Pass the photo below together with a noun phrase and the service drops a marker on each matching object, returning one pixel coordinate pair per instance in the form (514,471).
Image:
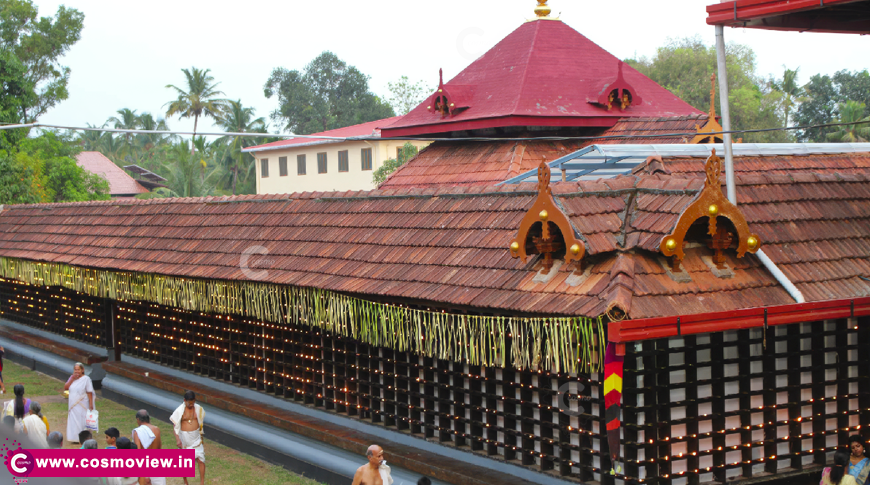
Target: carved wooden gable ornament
(713,204)
(545,229)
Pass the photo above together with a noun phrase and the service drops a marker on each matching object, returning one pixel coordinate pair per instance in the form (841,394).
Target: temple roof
(456,163)
(544,73)
(449,246)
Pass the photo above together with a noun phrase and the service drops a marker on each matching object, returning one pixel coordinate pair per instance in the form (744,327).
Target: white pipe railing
(730,185)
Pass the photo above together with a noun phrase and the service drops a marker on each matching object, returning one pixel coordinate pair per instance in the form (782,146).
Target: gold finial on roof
(542,10)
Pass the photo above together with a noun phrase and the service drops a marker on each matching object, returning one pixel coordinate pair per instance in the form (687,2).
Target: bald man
(376,471)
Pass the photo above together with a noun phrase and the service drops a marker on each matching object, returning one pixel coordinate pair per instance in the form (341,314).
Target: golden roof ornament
(542,12)
(546,229)
(712,204)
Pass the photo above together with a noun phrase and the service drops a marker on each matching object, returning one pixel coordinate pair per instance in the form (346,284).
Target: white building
(306,164)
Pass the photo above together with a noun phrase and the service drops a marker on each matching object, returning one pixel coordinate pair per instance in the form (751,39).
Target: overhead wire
(404,138)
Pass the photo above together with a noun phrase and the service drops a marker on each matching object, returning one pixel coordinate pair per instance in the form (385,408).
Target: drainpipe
(729,161)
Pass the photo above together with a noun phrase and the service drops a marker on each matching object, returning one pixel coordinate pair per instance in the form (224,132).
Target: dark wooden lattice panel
(54,309)
(748,403)
(504,412)
(514,414)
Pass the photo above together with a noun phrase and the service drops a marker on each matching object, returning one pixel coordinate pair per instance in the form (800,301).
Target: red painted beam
(799,15)
(663,327)
(555,121)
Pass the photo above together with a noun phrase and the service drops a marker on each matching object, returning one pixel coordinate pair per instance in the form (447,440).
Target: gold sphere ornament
(752,242)
(544,215)
(713,210)
(542,10)
(575,249)
(671,244)
(515,246)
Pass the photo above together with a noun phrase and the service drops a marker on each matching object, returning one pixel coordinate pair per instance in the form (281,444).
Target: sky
(130,51)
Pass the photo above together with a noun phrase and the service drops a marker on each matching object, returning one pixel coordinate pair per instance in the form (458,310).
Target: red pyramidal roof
(543,74)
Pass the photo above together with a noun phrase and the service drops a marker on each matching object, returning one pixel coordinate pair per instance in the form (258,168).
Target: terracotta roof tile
(120,183)
(451,248)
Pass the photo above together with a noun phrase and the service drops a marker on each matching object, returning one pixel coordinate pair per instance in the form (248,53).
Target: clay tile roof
(120,183)
(542,74)
(450,246)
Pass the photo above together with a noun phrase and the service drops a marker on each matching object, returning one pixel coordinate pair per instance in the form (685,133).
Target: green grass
(35,384)
(223,465)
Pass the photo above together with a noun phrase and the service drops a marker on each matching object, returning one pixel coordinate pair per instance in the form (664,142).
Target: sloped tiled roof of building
(370,129)
(651,131)
(449,245)
(120,183)
(455,163)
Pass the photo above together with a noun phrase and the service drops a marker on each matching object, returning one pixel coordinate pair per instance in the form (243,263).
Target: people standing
(147,437)
(187,422)
(859,464)
(376,471)
(34,426)
(112,435)
(81,400)
(55,440)
(837,474)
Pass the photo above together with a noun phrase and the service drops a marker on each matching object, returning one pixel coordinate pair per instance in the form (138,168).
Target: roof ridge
(527,57)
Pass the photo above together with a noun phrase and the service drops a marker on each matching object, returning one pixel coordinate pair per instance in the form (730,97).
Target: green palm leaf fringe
(557,344)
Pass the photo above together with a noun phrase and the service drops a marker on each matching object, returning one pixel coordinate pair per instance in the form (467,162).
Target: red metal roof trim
(675,326)
(838,16)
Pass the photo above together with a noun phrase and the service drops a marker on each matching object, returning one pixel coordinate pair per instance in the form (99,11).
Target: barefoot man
(187,421)
(376,471)
(147,437)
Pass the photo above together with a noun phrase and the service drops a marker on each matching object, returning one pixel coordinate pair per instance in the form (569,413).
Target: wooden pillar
(114,346)
(717,403)
(864,378)
(769,397)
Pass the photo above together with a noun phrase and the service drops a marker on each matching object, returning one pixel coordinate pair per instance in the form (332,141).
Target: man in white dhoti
(376,471)
(187,422)
(147,437)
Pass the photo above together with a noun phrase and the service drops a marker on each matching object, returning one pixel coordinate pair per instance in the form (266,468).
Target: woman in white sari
(81,400)
(34,426)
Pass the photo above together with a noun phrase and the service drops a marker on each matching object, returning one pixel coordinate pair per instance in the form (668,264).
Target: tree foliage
(327,94)
(199,99)
(239,119)
(389,166)
(405,95)
(851,113)
(684,67)
(17,95)
(823,97)
(44,169)
(39,42)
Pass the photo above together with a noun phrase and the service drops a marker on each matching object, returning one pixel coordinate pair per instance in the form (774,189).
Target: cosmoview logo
(569,398)
(20,463)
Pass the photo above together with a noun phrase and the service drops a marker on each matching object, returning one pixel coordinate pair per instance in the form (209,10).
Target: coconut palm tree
(851,133)
(238,119)
(200,98)
(184,172)
(147,144)
(128,120)
(790,89)
(91,140)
